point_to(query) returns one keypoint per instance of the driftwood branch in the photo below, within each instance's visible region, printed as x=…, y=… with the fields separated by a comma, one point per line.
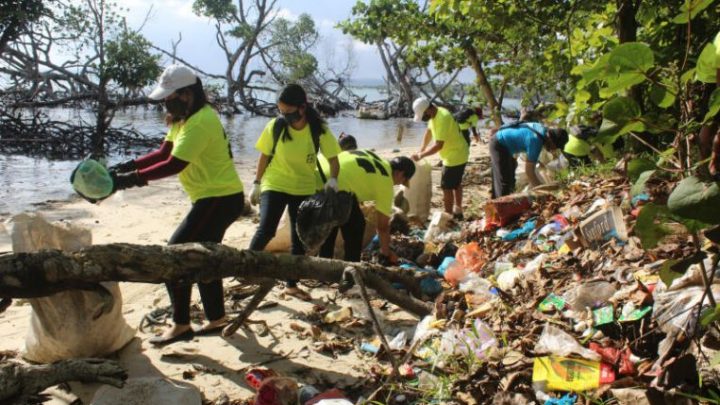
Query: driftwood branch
x=24, y=275
x=19, y=382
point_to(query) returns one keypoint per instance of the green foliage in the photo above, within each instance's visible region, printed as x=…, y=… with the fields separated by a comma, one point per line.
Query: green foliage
x=638, y=166
x=293, y=42
x=667, y=274
x=221, y=10
x=696, y=200
x=15, y=15
x=707, y=64
x=129, y=61
x=639, y=186
x=690, y=9
x=647, y=229
x=713, y=105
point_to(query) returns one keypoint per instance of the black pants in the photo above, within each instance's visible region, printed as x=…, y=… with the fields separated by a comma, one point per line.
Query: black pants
x=503, y=169
x=207, y=221
x=272, y=205
x=352, y=232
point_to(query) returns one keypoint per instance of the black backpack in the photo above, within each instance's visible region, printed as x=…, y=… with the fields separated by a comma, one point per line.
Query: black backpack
x=280, y=128
x=521, y=124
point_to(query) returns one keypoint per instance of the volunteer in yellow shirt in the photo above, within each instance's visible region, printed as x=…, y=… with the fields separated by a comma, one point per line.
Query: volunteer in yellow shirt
x=583, y=144
x=368, y=178
x=286, y=169
x=454, y=150
x=467, y=121
x=197, y=149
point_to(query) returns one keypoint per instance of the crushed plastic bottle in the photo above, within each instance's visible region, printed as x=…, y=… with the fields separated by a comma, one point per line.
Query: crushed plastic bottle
x=342, y=314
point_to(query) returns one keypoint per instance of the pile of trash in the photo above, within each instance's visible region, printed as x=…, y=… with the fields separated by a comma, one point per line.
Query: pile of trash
x=549, y=298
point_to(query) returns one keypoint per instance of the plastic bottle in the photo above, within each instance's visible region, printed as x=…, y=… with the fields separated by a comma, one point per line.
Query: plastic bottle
x=342, y=314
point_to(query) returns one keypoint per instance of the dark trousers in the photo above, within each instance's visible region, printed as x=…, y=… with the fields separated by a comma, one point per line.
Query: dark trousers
x=503, y=169
x=207, y=221
x=272, y=205
x=352, y=232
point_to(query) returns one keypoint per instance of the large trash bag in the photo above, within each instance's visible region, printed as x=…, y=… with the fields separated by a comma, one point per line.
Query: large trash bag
x=319, y=214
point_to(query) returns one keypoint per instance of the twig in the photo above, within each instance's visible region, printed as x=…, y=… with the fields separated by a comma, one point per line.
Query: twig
x=265, y=287
x=376, y=324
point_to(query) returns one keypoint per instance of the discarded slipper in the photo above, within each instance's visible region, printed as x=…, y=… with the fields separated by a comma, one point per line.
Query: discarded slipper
x=162, y=341
x=200, y=331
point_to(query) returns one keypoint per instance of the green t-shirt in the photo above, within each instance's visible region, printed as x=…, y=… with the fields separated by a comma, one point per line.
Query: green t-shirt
x=471, y=122
x=455, y=150
x=201, y=141
x=368, y=176
x=293, y=168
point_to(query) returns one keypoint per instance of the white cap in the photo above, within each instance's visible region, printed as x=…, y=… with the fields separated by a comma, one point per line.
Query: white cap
x=419, y=106
x=173, y=78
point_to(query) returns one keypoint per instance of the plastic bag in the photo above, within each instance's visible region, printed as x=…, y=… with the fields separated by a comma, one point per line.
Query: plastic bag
x=91, y=180
x=563, y=374
x=471, y=256
x=593, y=294
x=74, y=323
x=419, y=192
x=319, y=214
x=556, y=341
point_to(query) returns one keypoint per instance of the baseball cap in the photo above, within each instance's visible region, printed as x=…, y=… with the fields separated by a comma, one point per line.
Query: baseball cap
x=419, y=106
x=173, y=78
x=406, y=166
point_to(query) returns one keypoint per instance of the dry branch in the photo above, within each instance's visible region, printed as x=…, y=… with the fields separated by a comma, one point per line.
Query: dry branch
x=43, y=273
x=18, y=382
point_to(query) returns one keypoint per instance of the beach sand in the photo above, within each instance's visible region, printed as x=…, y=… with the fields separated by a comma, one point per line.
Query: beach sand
x=214, y=364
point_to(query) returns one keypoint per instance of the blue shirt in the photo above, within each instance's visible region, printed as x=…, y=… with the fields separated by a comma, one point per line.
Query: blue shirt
x=523, y=140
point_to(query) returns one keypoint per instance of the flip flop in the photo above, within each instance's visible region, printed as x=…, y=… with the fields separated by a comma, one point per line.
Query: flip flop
x=200, y=331
x=162, y=341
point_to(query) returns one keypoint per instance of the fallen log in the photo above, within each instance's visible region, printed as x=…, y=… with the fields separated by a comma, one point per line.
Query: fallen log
x=19, y=382
x=27, y=275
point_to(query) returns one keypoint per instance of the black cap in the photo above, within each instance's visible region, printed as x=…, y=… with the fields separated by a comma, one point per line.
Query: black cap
x=404, y=165
x=347, y=142
x=558, y=136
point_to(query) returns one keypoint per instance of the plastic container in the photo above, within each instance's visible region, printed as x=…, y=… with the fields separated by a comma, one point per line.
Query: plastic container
x=554, y=373
x=92, y=180
x=419, y=192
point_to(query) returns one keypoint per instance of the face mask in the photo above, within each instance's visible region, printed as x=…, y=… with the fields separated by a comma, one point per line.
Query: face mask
x=292, y=117
x=176, y=107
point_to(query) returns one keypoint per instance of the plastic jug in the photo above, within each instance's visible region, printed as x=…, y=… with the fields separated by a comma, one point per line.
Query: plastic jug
x=419, y=191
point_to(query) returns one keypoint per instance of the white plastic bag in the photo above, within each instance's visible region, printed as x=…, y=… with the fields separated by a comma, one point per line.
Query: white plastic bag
x=419, y=192
x=556, y=341
x=68, y=324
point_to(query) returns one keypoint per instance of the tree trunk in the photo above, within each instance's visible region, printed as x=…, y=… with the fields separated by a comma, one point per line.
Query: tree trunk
x=484, y=85
x=24, y=275
x=19, y=382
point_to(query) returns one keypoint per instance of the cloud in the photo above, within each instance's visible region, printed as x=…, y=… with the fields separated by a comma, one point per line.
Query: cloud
x=286, y=14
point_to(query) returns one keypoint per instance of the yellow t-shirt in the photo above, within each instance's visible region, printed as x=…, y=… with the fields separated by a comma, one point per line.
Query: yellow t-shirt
x=455, y=150
x=366, y=175
x=716, y=42
x=293, y=168
x=201, y=141
x=471, y=122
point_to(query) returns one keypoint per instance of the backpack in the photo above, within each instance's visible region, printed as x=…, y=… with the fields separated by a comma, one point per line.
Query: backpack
x=280, y=128
x=463, y=115
x=522, y=124
x=583, y=132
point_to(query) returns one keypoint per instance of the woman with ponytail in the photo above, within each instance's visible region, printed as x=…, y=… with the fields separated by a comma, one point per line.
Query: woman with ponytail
x=286, y=169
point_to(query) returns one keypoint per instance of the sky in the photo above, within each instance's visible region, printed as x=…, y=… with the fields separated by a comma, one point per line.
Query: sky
x=166, y=19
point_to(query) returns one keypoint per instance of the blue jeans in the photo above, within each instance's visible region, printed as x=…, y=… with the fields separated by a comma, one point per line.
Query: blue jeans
x=272, y=205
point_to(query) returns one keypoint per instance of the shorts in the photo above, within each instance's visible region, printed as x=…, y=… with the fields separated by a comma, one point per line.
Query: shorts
x=452, y=177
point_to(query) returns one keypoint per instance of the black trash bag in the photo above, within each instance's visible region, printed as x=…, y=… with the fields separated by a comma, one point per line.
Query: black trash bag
x=319, y=214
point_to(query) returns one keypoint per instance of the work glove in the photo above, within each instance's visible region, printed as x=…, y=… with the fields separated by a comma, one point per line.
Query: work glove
x=331, y=184
x=123, y=167
x=255, y=194
x=121, y=181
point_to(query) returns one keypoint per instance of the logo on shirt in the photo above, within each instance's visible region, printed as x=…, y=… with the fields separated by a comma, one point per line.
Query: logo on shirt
x=310, y=158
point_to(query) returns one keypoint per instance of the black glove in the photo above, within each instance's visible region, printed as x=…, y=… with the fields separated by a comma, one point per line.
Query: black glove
x=123, y=167
x=121, y=181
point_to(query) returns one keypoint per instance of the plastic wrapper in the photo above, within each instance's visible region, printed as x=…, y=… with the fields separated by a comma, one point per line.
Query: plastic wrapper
x=555, y=373
x=319, y=214
x=555, y=341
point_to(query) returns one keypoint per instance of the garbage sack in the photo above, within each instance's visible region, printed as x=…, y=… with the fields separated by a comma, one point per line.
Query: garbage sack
x=92, y=180
x=556, y=341
x=147, y=391
x=319, y=214
x=68, y=324
x=419, y=192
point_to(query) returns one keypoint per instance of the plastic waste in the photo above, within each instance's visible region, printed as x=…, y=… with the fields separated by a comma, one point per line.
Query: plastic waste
x=277, y=391
x=507, y=279
x=476, y=285
x=455, y=272
x=424, y=330
x=567, y=399
x=319, y=214
x=555, y=341
x=552, y=303
x=603, y=226
x=332, y=396
x=471, y=256
x=398, y=342
x=439, y=223
x=369, y=348
x=430, y=287
x=501, y=267
x=555, y=373
x=592, y=294
x=307, y=392
x=92, y=180
x=476, y=340
x=442, y=268
x=340, y=315
x=255, y=376
x=522, y=232
x=536, y=263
